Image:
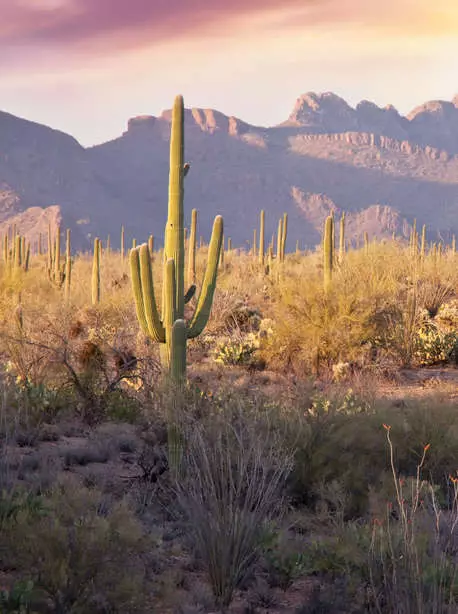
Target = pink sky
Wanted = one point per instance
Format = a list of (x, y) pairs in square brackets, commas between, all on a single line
[(86, 66)]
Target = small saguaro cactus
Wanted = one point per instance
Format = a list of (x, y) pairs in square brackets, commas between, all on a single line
[(284, 233), (423, 242), (96, 273), (68, 266), (262, 248), (56, 270), (123, 238), (342, 238), (328, 252), (279, 238), (169, 327)]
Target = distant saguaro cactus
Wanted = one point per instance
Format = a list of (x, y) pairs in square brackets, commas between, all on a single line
[(328, 252)]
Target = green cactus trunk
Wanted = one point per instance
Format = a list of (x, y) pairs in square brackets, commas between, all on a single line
[(169, 328)]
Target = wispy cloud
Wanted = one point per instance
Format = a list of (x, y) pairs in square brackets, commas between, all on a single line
[(112, 24)]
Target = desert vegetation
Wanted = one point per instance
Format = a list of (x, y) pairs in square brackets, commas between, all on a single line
[(281, 437)]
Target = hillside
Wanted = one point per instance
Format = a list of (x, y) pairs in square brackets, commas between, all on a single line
[(382, 168)]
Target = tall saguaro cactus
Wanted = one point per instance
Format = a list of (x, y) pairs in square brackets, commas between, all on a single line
[(169, 327)]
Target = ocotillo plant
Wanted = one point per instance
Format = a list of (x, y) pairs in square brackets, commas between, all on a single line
[(328, 252), (169, 328), (192, 249), (96, 273), (262, 248)]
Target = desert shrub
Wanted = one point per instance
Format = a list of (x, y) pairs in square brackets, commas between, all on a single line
[(80, 552)]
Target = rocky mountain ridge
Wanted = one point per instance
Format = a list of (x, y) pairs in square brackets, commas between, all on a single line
[(384, 169)]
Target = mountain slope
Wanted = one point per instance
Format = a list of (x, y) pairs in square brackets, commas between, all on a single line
[(382, 168)]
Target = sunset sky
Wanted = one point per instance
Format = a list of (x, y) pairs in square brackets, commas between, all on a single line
[(86, 66)]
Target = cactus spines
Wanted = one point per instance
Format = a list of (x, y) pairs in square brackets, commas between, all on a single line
[(262, 248), (328, 250), (169, 328), (342, 238), (95, 287), (192, 244)]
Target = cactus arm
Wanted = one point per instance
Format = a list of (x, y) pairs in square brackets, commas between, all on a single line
[(137, 290), (155, 329), (189, 294), (204, 303), (192, 249)]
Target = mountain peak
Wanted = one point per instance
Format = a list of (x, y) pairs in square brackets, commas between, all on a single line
[(312, 108)]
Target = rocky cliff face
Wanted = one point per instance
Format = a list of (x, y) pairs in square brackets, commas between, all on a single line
[(383, 169)]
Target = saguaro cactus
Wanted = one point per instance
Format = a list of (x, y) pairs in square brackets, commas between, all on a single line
[(262, 248), (169, 328), (342, 238), (96, 273), (328, 252), (68, 266), (192, 244), (284, 232)]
